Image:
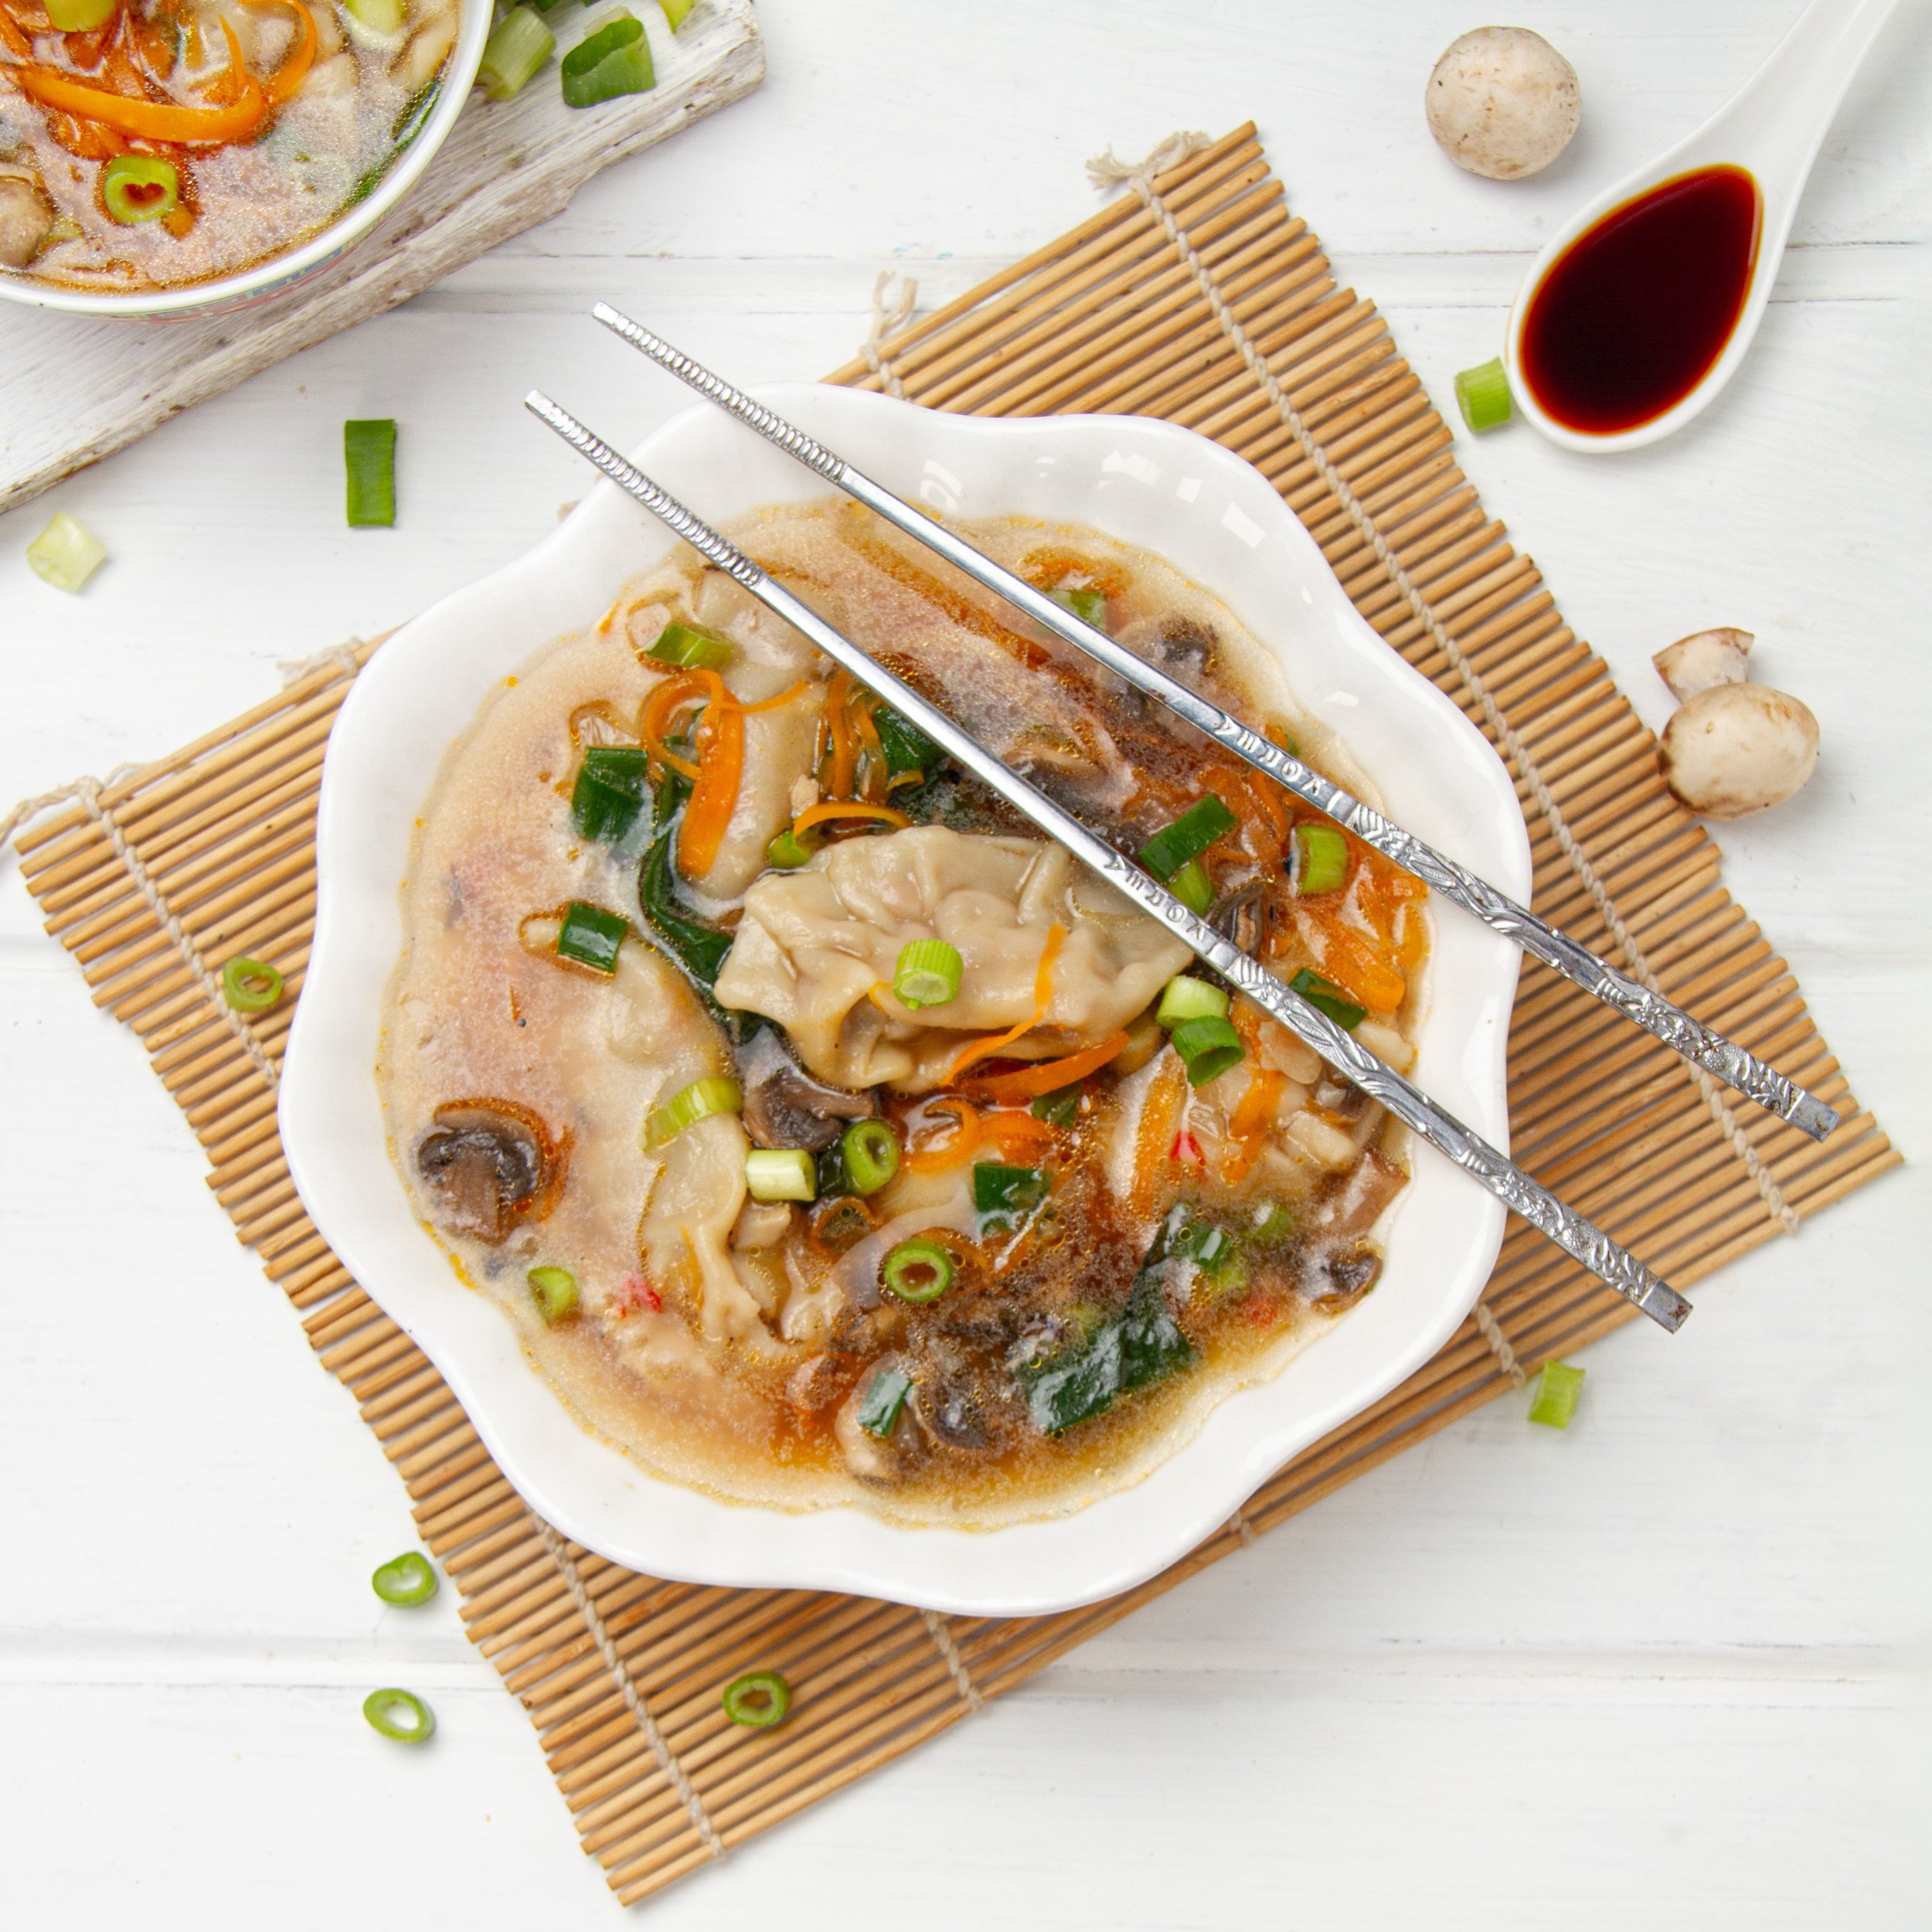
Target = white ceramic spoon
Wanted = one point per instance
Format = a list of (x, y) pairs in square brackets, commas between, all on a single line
[(1772, 128)]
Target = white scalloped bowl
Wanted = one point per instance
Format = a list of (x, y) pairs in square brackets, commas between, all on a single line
[(1149, 483)]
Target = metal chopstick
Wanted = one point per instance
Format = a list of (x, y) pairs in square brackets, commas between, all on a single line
[(1703, 1045), (1514, 1188)]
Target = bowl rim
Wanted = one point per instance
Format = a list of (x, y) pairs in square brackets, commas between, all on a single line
[(647, 1522), (278, 272)]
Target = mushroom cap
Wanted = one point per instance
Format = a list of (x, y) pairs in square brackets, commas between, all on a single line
[(1734, 749), (1502, 102), (1705, 657), (24, 220)]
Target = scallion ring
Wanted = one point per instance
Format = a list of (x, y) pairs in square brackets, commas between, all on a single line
[(554, 1290), (781, 1173), (691, 645), (139, 188), (614, 60), (406, 1580), (715, 1094), (1187, 837), (757, 1700), (1191, 886), (399, 1714), (250, 985), (1553, 1396), (1482, 393), (928, 973), (1321, 860), (870, 1149), (1185, 998), (1089, 606), (789, 850), (590, 936), (917, 1270), (1209, 1047), (519, 44)]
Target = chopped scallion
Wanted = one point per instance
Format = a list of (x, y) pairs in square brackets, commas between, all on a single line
[(1325, 997), (555, 1292), (1191, 886), (519, 43), (1089, 606), (869, 1150), (927, 974), (369, 455), (590, 936), (918, 1270), (761, 1699), (1003, 1195), (608, 799), (781, 1173), (401, 1715), (1185, 998), (715, 1094), (406, 1580), (139, 188), (1320, 863), (1553, 1396), (789, 850), (250, 985), (677, 11), (691, 646), (1482, 393), (1273, 1224), (879, 1409), (1187, 837), (1208, 1047), (65, 554), (1060, 1108), (614, 60)]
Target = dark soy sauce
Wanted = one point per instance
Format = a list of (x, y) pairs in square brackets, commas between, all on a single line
[(1630, 317)]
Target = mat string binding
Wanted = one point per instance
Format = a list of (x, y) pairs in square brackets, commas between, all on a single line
[(626, 1686), (889, 316), (956, 1663)]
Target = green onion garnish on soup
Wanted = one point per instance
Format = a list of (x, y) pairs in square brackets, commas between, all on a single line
[(781, 1173), (715, 1094), (1325, 997), (869, 1150), (927, 974), (590, 936), (554, 1290), (1208, 1047), (917, 1270), (1320, 862), (1187, 838)]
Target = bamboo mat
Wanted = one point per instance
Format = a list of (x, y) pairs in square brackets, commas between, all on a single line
[(620, 1672)]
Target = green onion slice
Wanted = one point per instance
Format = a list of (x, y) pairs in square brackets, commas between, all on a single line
[(691, 645), (608, 799), (781, 1173), (1320, 860), (614, 60), (1553, 1396), (399, 1714), (139, 188), (928, 973), (870, 1149), (906, 746), (761, 1698), (590, 936), (1185, 998), (677, 11), (715, 1094), (519, 43), (1060, 1108), (879, 1409), (1325, 997), (555, 1292), (250, 985), (369, 455), (1001, 1191), (79, 16), (1089, 606), (66, 553), (1187, 837), (1273, 1224), (1191, 887), (408, 1579), (1482, 393), (788, 851), (1208, 1046), (917, 1270)]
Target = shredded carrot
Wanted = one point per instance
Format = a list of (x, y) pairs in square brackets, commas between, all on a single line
[(1253, 1115), (1153, 1143), (1017, 1133), (282, 83), (16, 41), (152, 120), (871, 746), (847, 808), (667, 698), (844, 758), (714, 797), (1048, 1076), (980, 1049), (770, 704), (936, 1157)]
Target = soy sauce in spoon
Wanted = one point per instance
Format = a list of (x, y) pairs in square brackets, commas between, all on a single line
[(1630, 317)]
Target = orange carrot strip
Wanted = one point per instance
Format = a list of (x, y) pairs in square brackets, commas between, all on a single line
[(935, 1157), (770, 704), (656, 714), (984, 1048), (1048, 1076), (847, 808), (714, 797), (1017, 1133), (838, 724), (1253, 1114), (1159, 1112), (152, 119), (282, 83)]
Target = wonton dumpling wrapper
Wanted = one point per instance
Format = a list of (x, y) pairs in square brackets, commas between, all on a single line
[(813, 943)]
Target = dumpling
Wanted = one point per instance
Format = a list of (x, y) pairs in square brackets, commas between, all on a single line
[(778, 749), (817, 948)]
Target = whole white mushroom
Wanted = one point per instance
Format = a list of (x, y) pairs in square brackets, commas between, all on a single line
[(1731, 747), (1502, 102)]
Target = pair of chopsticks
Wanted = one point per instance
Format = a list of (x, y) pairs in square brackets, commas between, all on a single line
[(1516, 1189)]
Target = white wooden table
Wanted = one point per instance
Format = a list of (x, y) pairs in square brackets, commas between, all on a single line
[(1655, 1671)]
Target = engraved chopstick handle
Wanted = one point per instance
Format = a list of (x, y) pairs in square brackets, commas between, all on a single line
[(1701, 1045), (1517, 1190)]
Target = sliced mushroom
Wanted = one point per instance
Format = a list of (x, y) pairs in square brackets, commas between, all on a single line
[(488, 1165), (1357, 1205), (1174, 642), (1703, 659), (950, 1415), (785, 1106), (1340, 1279), (25, 221)]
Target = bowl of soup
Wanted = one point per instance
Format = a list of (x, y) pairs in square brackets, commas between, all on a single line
[(167, 158), (805, 1174)]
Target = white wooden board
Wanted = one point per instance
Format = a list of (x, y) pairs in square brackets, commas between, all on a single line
[(78, 387)]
